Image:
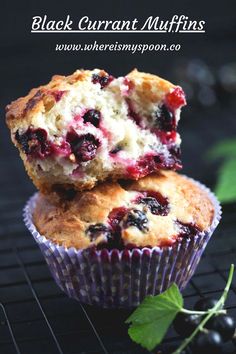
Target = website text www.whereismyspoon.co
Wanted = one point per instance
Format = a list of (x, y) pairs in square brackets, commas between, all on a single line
[(117, 47)]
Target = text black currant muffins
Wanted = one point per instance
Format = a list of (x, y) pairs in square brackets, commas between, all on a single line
[(89, 126), (114, 223)]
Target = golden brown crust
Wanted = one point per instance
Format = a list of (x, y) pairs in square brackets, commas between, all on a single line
[(45, 185), (40, 98), (65, 221), (148, 86)]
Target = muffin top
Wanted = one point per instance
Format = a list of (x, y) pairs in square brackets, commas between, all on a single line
[(157, 210)]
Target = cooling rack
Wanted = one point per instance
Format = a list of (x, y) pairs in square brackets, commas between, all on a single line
[(35, 315)]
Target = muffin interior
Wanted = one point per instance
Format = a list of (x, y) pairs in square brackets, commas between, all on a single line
[(89, 126)]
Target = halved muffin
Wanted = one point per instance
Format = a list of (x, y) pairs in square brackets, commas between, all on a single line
[(89, 127)]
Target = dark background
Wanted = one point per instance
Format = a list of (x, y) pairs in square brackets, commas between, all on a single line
[(27, 60)]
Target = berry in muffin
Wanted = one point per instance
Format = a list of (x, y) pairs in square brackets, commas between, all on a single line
[(89, 126), (157, 210)]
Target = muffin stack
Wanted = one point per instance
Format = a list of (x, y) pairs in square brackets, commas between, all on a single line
[(113, 220)]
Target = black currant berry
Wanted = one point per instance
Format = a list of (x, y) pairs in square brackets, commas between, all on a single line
[(156, 203), (103, 80), (185, 324), (92, 116), (97, 230), (84, 147), (207, 343), (165, 119), (34, 142), (205, 304), (136, 218), (223, 324)]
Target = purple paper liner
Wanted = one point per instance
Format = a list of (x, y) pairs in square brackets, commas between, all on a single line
[(121, 279)]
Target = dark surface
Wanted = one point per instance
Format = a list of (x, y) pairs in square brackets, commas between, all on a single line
[(35, 316), (44, 320)]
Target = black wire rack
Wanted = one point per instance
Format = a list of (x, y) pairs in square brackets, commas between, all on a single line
[(36, 317)]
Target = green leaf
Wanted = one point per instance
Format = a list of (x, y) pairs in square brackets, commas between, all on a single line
[(224, 149), (226, 184), (151, 320)]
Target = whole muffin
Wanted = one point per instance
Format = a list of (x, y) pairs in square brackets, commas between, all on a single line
[(89, 126), (119, 242)]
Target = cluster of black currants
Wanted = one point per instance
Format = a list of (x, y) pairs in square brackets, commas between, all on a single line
[(219, 329)]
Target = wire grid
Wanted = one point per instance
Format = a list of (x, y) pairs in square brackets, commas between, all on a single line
[(36, 317)]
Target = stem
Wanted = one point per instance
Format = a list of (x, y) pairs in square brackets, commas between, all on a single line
[(200, 313), (218, 306)]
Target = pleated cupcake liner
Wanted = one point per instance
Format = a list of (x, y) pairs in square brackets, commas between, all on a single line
[(122, 278)]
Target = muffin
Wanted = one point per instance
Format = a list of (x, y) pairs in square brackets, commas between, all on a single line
[(89, 127), (121, 241)]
